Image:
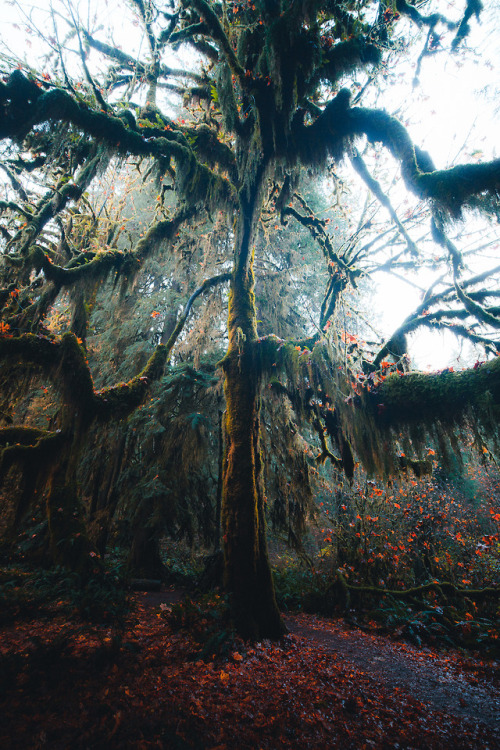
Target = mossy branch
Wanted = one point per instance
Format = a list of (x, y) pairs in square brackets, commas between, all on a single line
[(196, 182), (472, 8), (124, 397), (120, 400), (216, 31), (11, 206), (446, 396), (207, 284), (450, 188), (207, 146), (190, 34), (439, 586), (346, 57), (63, 360), (23, 435), (26, 445), (478, 311), (445, 319), (97, 265), (331, 132), (440, 320), (340, 270), (52, 204), (92, 265), (409, 10)]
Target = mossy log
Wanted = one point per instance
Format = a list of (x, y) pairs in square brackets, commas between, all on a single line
[(441, 587)]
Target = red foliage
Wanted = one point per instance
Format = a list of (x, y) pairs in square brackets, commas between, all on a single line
[(77, 686)]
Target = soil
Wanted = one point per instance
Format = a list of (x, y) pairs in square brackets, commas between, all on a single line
[(65, 684), (468, 688), (443, 681)]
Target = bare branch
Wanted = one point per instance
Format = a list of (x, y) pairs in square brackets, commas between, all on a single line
[(359, 165)]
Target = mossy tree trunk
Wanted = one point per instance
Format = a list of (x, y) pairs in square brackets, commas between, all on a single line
[(68, 538), (247, 572)]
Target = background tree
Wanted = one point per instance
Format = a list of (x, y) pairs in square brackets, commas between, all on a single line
[(269, 102)]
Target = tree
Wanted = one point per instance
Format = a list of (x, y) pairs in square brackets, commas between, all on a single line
[(269, 100)]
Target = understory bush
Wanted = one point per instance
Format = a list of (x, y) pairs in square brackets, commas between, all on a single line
[(99, 598)]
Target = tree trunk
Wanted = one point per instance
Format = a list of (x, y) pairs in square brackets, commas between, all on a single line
[(218, 498), (247, 572), (69, 543)]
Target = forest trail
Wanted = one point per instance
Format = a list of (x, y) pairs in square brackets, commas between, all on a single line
[(167, 679), (443, 681)]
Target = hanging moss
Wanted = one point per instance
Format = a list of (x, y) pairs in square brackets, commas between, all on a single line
[(32, 453), (443, 396), (389, 428)]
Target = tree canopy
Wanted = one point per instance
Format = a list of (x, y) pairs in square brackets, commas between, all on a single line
[(109, 197)]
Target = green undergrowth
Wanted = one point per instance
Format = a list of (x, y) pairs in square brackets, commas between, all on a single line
[(207, 621), (432, 618), (183, 573), (99, 598), (301, 588), (453, 624)]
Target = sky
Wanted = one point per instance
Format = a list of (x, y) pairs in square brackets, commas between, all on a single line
[(454, 113)]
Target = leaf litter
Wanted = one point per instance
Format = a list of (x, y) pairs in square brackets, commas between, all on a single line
[(326, 685)]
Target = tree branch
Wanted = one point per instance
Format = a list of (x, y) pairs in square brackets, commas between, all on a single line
[(196, 182), (216, 31), (448, 188), (446, 397), (359, 165), (207, 284), (112, 401)]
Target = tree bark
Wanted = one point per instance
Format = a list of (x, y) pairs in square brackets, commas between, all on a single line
[(247, 571)]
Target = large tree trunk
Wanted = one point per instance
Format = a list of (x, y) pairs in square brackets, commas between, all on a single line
[(68, 539), (247, 572)]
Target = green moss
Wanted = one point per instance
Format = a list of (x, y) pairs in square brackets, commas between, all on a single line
[(444, 396), (22, 435), (387, 429), (121, 399)]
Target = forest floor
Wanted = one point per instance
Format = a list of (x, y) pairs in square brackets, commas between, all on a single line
[(66, 683)]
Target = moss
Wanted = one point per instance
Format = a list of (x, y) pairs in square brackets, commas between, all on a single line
[(62, 359), (34, 453), (388, 429), (93, 265), (444, 396), (346, 57), (21, 435), (121, 399), (455, 186), (69, 543), (247, 574)]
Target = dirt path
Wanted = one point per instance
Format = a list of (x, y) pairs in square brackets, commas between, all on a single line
[(468, 689), (446, 682)]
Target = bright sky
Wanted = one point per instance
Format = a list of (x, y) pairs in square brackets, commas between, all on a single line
[(454, 114)]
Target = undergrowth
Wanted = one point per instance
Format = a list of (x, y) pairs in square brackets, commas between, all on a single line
[(207, 621), (433, 618), (99, 598)]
